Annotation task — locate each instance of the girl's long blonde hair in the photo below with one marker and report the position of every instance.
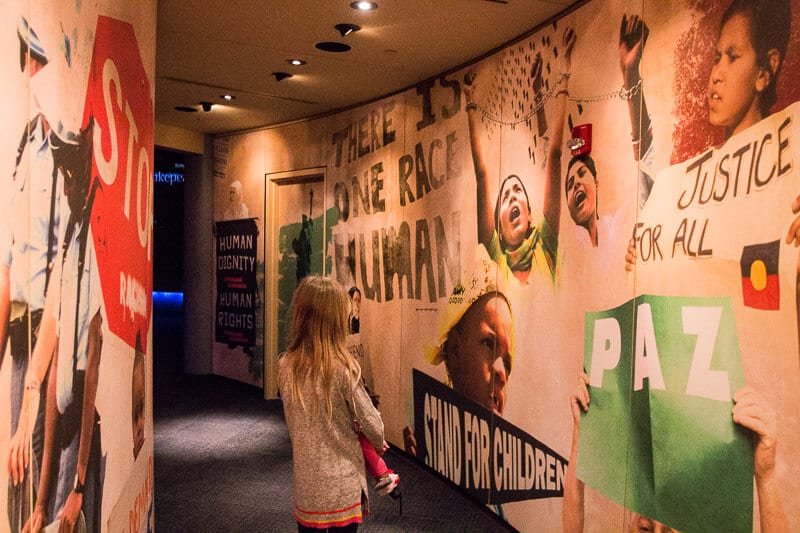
(318, 336)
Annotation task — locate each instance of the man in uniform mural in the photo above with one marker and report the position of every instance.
(72, 331)
(29, 234)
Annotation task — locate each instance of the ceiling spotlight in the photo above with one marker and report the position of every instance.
(332, 46)
(346, 29)
(279, 76)
(227, 97)
(364, 5)
(296, 62)
(206, 106)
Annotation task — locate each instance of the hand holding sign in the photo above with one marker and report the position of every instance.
(793, 235)
(749, 411)
(752, 412)
(661, 372)
(579, 400)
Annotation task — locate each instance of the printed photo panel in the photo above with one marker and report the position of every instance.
(465, 190)
(77, 260)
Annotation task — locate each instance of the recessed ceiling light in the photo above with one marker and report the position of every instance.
(364, 5)
(332, 46)
(296, 62)
(346, 29)
(185, 109)
(227, 97)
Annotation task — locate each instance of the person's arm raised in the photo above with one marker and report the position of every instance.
(485, 209)
(552, 188)
(633, 34)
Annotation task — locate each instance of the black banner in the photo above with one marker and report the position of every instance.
(481, 452)
(236, 282)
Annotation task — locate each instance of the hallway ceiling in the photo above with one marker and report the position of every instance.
(212, 47)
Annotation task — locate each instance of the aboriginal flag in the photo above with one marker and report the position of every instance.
(760, 284)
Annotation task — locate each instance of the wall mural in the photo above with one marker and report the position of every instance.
(590, 341)
(76, 269)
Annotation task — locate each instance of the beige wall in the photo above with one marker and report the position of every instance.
(401, 171)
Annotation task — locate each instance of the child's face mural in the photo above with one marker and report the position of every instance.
(137, 408)
(514, 214)
(735, 78)
(480, 360)
(581, 190)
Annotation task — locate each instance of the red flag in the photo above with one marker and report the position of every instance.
(760, 283)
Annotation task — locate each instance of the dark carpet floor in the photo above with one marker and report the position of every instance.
(223, 461)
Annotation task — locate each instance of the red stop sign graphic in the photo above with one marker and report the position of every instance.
(118, 99)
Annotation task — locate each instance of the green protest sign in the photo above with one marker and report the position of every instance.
(659, 438)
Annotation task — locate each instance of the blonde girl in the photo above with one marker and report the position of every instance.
(323, 398)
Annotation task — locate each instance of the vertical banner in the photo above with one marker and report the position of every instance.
(236, 282)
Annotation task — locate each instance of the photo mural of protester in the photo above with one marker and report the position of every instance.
(71, 330)
(748, 57)
(236, 207)
(749, 411)
(385, 478)
(750, 51)
(356, 345)
(476, 345)
(505, 229)
(29, 229)
(478, 350)
(581, 182)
